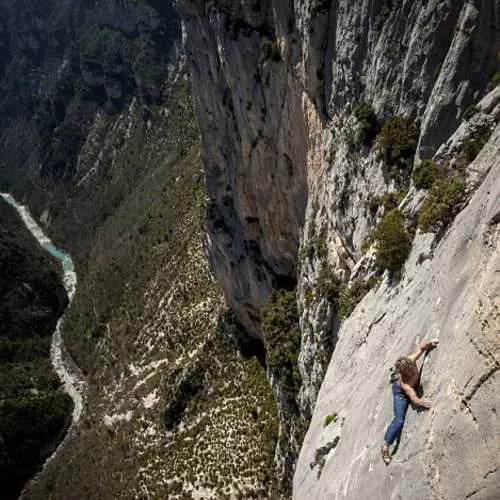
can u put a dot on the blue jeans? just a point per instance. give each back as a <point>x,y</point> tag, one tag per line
<point>401,403</point>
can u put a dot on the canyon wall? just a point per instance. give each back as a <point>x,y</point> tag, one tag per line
<point>315,117</point>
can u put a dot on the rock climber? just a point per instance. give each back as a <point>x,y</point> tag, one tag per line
<point>405,379</point>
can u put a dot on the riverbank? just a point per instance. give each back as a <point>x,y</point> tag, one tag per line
<point>72,384</point>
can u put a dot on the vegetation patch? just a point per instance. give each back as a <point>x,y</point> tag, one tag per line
<point>473,144</point>
<point>365,114</point>
<point>442,203</point>
<point>329,419</point>
<point>282,337</point>
<point>388,200</point>
<point>317,248</point>
<point>392,241</point>
<point>386,9</point>
<point>328,285</point>
<point>397,139</point>
<point>213,6</point>
<point>495,80</point>
<point>447,188</point>
<point>269,50</point>
<point>319,7</point>
<point>425,174</point>
<point>470,112</point>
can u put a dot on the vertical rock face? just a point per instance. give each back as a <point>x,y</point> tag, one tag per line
<point>254,122</point>
<point>291,100</point>
<point>274,80</point>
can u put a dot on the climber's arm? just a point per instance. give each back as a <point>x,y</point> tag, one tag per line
<point>422,348</point>
<point>412,395</point>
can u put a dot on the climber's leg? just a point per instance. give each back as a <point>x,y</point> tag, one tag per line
<point>396,426</point>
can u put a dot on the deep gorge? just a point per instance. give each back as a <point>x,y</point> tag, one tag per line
<point>267,203</point>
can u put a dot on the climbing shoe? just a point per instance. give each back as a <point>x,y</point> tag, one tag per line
<point>386,455</point>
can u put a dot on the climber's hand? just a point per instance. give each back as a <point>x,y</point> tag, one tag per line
<point>430,344</point>
<point>424,403</point>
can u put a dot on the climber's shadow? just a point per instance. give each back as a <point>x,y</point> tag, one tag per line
<point>396,445</point>
<point>420,390</point>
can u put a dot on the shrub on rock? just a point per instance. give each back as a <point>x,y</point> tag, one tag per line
<point>426,174</point>
<point>280,325</point>
<point>365,114</point>
<point>442,203</point>
<point>397,139</point>
<point>392,240</point>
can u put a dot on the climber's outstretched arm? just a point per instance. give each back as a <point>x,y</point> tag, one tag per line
<point>422,348</point>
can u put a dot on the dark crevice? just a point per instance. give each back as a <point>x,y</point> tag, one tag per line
<point>188,388</point>
<point>247,345</point>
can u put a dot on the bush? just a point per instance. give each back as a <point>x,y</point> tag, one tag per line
<point>393,241</point>
<point>212,6</point>
<point>280,325</point>
<point>321,247</point>
<point>388,200</point>
<point>442,203</point>
<point>397,139</point>
<point>319,7</point>
<point>474,143</point>
<point>365,114</point>
<point>426,174</point>
<point>329,419</point>
<point>328,285</point>
<point>314,249</point>
<point>495,80</point>
<point>386,9</point>
<point>469,112</point>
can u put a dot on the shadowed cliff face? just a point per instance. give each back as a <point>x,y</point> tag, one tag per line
<point>313,116</point>
<point>255,143</point>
